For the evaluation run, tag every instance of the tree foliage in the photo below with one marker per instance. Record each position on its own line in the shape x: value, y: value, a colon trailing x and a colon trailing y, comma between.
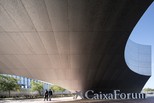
x: 36, y: 86
x: 8, y: 83
x: 148, y: 89
x: 56, y: 88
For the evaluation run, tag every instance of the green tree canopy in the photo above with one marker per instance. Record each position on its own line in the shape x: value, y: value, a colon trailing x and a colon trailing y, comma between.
x: 8, y: 83
x: 56, y: 88
x: 36, y: 86
x: 148, y: 89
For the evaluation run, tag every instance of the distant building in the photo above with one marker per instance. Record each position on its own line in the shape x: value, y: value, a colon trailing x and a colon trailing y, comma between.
x: 25, y: 82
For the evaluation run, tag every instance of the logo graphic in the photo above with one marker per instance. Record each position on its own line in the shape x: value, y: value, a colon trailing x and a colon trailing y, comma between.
x: 116, y: 94
x: 78, y: 94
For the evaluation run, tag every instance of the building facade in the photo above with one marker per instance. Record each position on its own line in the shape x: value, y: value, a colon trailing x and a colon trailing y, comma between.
x: 25, y: 82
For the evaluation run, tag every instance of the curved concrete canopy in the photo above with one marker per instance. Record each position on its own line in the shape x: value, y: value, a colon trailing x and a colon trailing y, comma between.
x: 78, y: 44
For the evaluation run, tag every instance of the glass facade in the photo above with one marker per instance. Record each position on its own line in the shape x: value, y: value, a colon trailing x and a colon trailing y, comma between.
x: 138, y: 57
x: 25, y: 82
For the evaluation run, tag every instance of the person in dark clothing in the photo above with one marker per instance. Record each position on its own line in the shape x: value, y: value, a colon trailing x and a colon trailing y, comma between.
x: 50, y: 94
x: 46, y: 95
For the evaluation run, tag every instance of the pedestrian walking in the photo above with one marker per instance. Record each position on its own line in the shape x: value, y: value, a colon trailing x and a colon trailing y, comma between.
x: 50, y: 94
x: 46, y: 95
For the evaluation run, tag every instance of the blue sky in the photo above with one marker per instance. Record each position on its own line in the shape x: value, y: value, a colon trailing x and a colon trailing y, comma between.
x: 143, y: 33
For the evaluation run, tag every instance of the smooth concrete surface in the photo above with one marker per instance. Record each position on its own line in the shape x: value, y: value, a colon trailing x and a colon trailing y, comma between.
x: 77, y: 44
x: 40, y: 100
x: 69, y: 100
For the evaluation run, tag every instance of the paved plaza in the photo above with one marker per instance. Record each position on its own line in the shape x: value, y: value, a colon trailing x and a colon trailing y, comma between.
x: 71, y: 100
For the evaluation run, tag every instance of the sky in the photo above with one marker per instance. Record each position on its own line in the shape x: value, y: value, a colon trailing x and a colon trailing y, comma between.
x: 143, y: 33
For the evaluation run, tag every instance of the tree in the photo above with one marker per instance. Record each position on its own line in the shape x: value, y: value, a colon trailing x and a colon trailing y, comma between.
x: 36, y: 86
x: 56, y: 88
x: 148, y: 89
x: 8, y: 83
